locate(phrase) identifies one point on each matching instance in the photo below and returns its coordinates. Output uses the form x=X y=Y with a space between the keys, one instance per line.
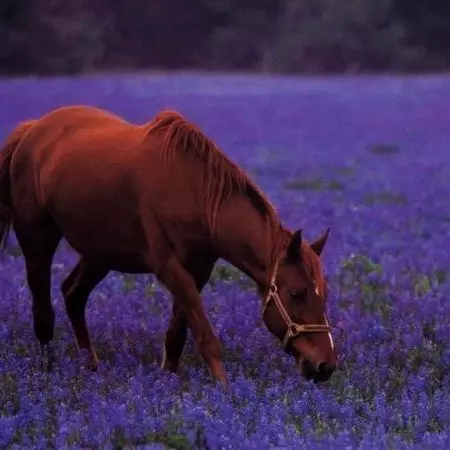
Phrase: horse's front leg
x=200 y=269
x=186 y=295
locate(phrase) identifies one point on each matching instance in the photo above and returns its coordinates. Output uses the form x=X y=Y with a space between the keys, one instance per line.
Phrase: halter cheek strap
x=293 y=329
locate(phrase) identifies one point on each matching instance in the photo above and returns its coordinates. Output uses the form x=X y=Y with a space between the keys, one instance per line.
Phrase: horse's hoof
x=218 y=373
x=92 y=365
x=88 y=359
x=224 y=382
x=169 y=366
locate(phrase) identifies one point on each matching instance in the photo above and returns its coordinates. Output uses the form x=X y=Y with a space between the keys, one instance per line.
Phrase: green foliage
x=171 y=438
x=361 y=265
x=386 y=198
x=14 y=250
x=315 y=184
x=383 y=149
x=129 y=282
x=9 y=394
x=227 y=273
x=360 y=273
x=424 y=283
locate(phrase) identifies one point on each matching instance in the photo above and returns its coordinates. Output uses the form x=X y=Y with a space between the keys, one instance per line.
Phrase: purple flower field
x=368 y=157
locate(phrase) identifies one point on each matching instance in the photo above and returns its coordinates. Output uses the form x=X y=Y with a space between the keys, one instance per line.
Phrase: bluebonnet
x=366 y=157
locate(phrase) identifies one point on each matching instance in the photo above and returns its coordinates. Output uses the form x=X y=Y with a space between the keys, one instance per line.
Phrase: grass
x=315 y=184
x=385 y=198
x=383 y=149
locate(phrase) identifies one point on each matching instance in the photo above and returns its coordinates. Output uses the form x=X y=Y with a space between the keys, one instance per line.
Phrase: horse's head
x=295 y=308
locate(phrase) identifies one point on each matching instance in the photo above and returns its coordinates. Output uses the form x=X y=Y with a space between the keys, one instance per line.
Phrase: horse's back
x=69 y=121
x=71 y=128
x=73 y=139
x=82 y=115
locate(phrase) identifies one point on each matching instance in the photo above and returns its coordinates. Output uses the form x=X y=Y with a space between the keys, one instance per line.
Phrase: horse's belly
x=100 y=219
x=120 y=246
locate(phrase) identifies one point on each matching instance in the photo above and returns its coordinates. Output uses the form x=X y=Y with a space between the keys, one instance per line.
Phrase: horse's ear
x=293 y=250
x=317 y=246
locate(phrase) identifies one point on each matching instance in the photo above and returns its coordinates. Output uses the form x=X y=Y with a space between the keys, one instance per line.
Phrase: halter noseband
x=293 y=329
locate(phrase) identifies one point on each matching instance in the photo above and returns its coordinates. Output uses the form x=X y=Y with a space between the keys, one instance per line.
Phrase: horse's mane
x=221 y=177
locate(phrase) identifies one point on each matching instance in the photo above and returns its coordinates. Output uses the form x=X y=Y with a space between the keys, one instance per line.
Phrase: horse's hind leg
x=39 y=241
x=76 y=289
x=177 y=331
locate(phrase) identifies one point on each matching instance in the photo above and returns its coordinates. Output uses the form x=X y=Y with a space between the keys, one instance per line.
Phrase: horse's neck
x=246 y=239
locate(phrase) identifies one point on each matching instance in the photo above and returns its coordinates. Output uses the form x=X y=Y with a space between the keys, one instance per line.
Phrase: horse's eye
x=299 y=294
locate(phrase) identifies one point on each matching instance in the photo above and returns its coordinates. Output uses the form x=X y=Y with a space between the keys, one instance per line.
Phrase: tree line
x=49 y=37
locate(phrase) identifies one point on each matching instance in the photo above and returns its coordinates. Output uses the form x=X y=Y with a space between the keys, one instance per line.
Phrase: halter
x=293 y=329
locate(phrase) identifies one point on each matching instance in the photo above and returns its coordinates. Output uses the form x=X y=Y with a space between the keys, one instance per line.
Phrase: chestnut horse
x=156 y=198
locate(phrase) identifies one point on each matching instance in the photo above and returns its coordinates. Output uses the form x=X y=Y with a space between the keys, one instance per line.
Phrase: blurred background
x=49 y=37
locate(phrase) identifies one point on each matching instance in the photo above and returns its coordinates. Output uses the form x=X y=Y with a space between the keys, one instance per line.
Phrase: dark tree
x=71 y=36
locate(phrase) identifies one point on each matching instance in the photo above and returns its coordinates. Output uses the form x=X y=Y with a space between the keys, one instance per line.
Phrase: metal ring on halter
x=295 y=329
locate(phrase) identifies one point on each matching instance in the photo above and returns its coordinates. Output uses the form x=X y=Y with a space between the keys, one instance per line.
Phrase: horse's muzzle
x=319 y=372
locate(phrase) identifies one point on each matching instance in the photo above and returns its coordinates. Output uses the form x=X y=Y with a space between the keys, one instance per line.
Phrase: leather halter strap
x=293 y=329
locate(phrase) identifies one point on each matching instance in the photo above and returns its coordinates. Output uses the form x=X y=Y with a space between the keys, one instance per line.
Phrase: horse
x=156 y=198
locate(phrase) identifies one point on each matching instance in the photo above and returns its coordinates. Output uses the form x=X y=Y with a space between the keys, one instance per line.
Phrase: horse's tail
x=6 y=155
